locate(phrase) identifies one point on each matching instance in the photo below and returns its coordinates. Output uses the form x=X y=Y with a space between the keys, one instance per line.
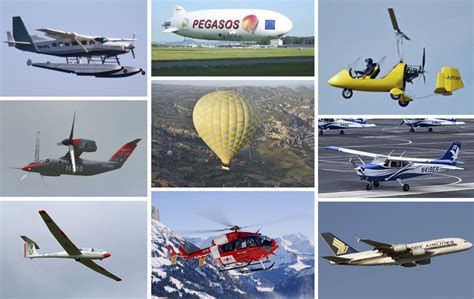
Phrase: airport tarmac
x=337 y=178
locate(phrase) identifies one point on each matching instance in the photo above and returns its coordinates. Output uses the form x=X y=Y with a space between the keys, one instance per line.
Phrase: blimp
x=228 y=24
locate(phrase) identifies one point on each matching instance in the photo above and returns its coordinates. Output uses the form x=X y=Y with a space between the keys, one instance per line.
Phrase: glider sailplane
x=83 y=256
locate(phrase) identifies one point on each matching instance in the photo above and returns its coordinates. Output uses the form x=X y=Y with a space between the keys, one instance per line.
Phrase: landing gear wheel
x=347 y=93
x=368 y=187
x=412 y=130
x=341 y=132
x=395 y=96
x=321 y=133
x=406 y=187
x=376 y=184
x=430 y=130
x=403 y=103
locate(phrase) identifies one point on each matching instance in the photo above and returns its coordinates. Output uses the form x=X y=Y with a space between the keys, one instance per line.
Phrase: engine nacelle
x=418 y=252
x=398 y=248
x=85 y=145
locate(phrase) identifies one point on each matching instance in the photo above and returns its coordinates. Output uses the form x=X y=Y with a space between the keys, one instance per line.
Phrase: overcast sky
x=284 y=212
x=363 y=29
x=448 y=276
x=300 y=13
x=110 y=123
x=117 y=227
x=109 y=18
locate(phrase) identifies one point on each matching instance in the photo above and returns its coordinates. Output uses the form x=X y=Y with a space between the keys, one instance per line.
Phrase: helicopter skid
x=97 y=70
x=251 y=269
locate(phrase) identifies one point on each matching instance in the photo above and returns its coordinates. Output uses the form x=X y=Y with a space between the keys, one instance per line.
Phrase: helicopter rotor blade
x=217 y=216
x=393 y=18
x=203 y=231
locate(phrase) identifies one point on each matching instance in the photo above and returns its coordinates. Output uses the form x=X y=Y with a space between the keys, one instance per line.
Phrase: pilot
x=369 y=68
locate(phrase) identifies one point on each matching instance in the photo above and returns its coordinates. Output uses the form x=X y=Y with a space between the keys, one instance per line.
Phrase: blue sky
x=117 y=227
x=448 y=276
x=110 y=18
x=299 y=11
x=184 y=211
x=363 y=29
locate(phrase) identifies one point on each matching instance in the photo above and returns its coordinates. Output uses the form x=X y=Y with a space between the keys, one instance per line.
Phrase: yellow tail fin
x=448 y=80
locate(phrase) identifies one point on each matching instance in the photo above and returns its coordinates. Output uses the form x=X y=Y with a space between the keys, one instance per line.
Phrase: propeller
x=422 y=67
x=132 y=47
x=69 y=143
x=403 y=121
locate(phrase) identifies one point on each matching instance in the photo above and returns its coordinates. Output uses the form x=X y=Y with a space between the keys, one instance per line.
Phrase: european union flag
x=269 y=24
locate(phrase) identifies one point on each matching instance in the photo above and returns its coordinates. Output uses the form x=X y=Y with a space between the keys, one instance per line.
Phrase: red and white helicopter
x=236 y=250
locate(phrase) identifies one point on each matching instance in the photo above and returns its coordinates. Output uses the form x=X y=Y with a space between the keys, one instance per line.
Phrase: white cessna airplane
x=385 y=168
x=430 y=123
x=83 y=256
x=384 y=254
x=341 y=124
x=228 y=24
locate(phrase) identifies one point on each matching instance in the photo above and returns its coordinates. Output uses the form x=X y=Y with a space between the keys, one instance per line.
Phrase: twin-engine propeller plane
x=341 y=124
x=83 y=256
x=236 y=250
x=384 y=254
x=101 y=53
x=72 y=164
x=448 y=80
x=385 y=168
x=430 y=123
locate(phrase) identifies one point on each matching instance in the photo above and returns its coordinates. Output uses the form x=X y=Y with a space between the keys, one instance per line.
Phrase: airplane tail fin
x=173 y=254
x=21 y=38
x=178 y=10
x=452 y=153
x=30 y=247
x=337 y=246
x=124 y=152
x=448 y=80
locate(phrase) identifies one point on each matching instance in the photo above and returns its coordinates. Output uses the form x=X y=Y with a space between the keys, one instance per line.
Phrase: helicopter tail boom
x=448 y=80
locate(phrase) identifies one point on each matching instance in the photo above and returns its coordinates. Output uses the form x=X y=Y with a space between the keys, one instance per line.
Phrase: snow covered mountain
x=292 y=275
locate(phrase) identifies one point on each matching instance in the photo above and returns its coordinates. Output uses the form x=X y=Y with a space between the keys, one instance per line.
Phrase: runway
x=337 y=178
x=227 y=62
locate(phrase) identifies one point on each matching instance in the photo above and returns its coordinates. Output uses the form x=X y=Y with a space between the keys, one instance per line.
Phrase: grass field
x=177 y=54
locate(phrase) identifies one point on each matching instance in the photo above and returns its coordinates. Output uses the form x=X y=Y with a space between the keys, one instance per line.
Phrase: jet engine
x=418 y=252
x=400 y=248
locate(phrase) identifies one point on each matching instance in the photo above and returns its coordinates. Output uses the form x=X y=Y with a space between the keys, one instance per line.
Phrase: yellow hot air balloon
x=225 y=120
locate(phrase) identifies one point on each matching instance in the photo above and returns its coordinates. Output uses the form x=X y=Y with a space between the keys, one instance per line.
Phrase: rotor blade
x=37 y=146
x=202 y=231
x=423 y=61
x=216 y=215
x=288 y=218
x=24 y=176
x=133 y=53
x=393 y=18
x=133 y=38
x=73 y=158
x=72 y=128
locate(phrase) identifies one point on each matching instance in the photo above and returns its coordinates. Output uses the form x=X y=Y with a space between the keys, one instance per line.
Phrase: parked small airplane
x=228 y=24
x=384 y=254
x=341 y=124
x=430 y=123
x=83 y=256
x=72 y=164
x=73 y=46
x=395 y=81
x=385 y=168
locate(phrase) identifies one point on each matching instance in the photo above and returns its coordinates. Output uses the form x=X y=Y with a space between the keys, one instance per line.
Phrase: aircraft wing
x=336 y=259
x=58 y=34
x=171 y=29
x=376 y=244
x=353 y=152
x=90 y=264
x=63 y=240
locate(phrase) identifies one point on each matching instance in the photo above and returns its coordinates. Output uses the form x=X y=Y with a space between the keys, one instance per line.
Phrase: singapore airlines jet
x=406 y=255
x=83 y=256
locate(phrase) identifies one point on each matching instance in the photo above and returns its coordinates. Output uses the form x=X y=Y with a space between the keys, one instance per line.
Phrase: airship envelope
x=225 y=120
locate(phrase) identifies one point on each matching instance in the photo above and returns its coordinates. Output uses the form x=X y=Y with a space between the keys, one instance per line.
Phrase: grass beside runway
x=178 y=54
x=271 y=69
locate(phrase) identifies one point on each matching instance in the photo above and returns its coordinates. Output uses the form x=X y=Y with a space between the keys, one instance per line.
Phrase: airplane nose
x=333 y=80
x=26 y=168
x=289 y=25
x=106 y=254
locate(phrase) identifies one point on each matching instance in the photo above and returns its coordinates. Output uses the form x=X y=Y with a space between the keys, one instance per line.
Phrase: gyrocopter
x=395 y=81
